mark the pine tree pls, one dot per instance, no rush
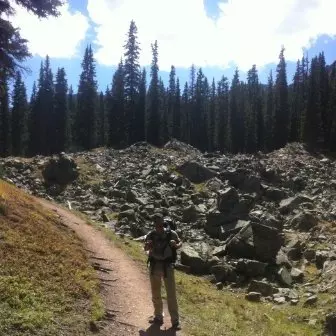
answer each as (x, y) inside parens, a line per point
(101, 123)
(253, 111)
(30, 124)
(141, 113)
(199, 120)
(72, 111)
(212, 117)
(185, 114)
(164, 135)
(132, 83)
(4, 117)
(171, 101)
(323, 101)
(222, 115)
(305, 92)
(236, 116)
(269, 113)
(281, 120)
(42, 112)
(86, 127)
(177, 112)
(297, 103)
(116, 116)
(61, 120)
(332, 108)
(153, 135)
(19, 117)
(312, 122)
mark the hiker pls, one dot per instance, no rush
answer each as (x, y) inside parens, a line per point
(161, 245)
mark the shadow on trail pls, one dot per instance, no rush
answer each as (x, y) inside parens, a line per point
(154, 330)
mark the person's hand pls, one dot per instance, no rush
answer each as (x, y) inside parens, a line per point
(173, 243)
(148, 245)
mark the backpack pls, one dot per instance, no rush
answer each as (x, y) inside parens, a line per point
(169, 260)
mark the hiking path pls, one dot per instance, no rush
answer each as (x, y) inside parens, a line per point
(125, 286)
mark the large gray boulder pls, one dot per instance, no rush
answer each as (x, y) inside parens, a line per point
(219, 225)
(304, 221)
(190, 257)
(251, 268)
(60, 170)
(256, 241)
(263, 287)
(289, 204)
(224, 273)
(195, 172)
(227, 199)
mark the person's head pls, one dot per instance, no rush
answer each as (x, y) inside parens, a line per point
(159, 223)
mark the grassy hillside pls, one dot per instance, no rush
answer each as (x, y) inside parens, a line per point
(47, 286)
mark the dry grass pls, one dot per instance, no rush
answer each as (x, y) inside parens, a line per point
(46, 284)
(88, 172)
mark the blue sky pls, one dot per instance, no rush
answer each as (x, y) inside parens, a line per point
(217, 35)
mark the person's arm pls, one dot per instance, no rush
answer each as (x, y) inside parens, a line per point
(176, 241)
(148, 243)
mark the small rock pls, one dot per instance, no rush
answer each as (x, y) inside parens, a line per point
(131, 196)
(219, 251)
(311, 300)
(297, 275)
(253, 296)
(320, 258)
(285, 277)
(309, 254)
(130, 214)
(279, 300)
(282, 259)
(189, 214)
(219, 285)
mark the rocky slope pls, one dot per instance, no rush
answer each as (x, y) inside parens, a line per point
(263, 222)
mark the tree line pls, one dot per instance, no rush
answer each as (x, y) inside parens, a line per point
(228, 116)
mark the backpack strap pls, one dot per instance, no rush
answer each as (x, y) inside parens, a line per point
(151, 261)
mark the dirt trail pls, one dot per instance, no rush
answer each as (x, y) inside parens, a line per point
(125, 286)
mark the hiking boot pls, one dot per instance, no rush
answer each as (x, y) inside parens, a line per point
(156, 320)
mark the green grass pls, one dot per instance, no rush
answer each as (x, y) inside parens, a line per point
(88, 173)
(200, 187)
(206, 311)
(47, 286)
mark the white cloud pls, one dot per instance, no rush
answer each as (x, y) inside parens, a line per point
(57, 37)
(246, 32)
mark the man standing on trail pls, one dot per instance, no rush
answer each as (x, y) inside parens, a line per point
(161, 244)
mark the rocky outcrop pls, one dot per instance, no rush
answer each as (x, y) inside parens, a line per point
(60, 170)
